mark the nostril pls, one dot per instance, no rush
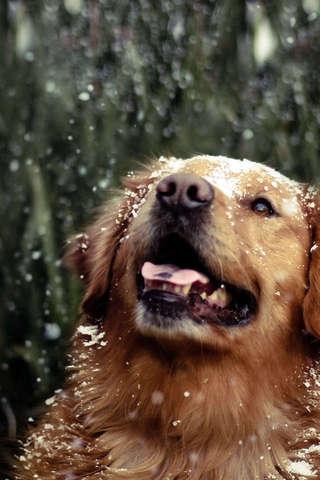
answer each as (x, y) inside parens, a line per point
(166, 189)
(193, 193)
(171, 189)
(200, 192)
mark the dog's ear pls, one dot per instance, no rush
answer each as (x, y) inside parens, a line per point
(91, 254)
(311, 305)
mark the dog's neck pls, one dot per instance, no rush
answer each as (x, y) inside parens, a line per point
(150, 404)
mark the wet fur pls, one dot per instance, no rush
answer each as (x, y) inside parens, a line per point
(253, 395)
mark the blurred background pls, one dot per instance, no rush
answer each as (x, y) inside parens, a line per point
(91, 88)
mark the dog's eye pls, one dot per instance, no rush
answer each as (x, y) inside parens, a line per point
(262, 206)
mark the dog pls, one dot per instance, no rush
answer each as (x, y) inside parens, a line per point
(196, 354)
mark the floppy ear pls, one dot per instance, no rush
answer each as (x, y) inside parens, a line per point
(311, 305)
(91, 254)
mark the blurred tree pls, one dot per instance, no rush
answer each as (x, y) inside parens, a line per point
(87, 87)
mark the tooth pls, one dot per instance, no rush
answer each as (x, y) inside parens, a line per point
(220, 297)
(203, 295)
(186, 289)
(214, 296)
(177, 289)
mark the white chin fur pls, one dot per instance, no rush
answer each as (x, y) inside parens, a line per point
(150, 324)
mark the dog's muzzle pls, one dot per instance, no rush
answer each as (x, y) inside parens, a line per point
(174, 279)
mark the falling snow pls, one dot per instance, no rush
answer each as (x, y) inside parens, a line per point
(107, 85)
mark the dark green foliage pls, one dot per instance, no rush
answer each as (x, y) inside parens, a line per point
(89, 87)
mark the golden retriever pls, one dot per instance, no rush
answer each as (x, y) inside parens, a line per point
(196, 354)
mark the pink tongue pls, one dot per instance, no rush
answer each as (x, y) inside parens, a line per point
(172, 274)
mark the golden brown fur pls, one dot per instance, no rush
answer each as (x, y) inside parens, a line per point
(214, 404)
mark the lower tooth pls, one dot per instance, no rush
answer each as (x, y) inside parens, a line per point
(203, 295)
(220, 297)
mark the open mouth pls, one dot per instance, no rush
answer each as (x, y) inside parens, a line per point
(175, 283)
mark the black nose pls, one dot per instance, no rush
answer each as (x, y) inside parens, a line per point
(184, 191)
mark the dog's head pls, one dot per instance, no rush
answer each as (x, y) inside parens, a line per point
(210, 251)
(201, 280)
